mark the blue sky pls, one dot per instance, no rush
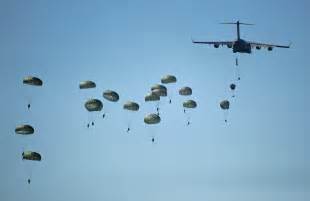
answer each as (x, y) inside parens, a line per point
(261, 154)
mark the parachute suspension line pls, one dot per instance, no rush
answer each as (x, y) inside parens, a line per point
(157, 108)
(188, 118)
(237, 71)
(226, 116)
(128, 123)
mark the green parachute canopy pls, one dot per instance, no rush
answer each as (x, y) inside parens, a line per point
(34, 81)
(151, 97)
(111, 95)
(132, 106)
(31, 155)
(93, 105)
(168, 79)
(88, 84)
(185, 91)
(159, 86)
(24, 130)
(151, 119)
(232, 86)
(160, 92)
(189, 104)
(224, 104)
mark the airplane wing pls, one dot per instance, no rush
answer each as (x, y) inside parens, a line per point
(264, 45)
(218, 43)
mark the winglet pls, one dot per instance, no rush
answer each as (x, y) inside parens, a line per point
(193, 41)
(289, 45)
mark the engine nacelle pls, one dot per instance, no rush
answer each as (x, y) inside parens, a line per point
(216, 45)
(229, 45)
(258, 47)
(270, 48)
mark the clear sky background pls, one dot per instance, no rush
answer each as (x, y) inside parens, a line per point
(261, 154)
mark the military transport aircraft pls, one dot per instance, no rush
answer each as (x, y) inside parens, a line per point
(240, 45)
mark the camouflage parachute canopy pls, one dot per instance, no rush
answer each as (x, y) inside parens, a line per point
(111, 95)
(93, 105)
(160, 92)
(185, 91)
(151, 119)
(88, 84)
(168, 79)
(189, 104)
(31, 155)
(159, 86)
(34, 81)
(224, 104)
(151, 97)
(232, 86)
(132, 106)
(24, 130)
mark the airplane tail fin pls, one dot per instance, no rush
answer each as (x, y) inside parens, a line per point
(238, 28)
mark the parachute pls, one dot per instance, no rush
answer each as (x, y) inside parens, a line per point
(153, 98)
(168, 79)
(87, 84)
(185, 91)
(232, 88)
(189, 104)
(24, 130)
(159, 86)
(111, 95)
(34, 81)
(130, 107)
(31, 155)
(225, 106)
(160, 92)
(31, 81)
(152, 120)
(93, 105)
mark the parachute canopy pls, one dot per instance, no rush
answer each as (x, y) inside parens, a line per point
(151, 97)
(159, 86)
(24, 130)
(224, 104)
(132, 106)
(87, 84)
(151, 119)
(185, 91)
(34, 81)
(31, 155)
(93, 105)
(168, 79)
(189, 104)
(111, 95)
(160, 92)
(232, 86)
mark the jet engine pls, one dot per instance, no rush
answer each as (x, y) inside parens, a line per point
(258, 47)
(216, 45)
(270, 48)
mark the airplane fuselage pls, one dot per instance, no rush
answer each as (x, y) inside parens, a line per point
(242, 46)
